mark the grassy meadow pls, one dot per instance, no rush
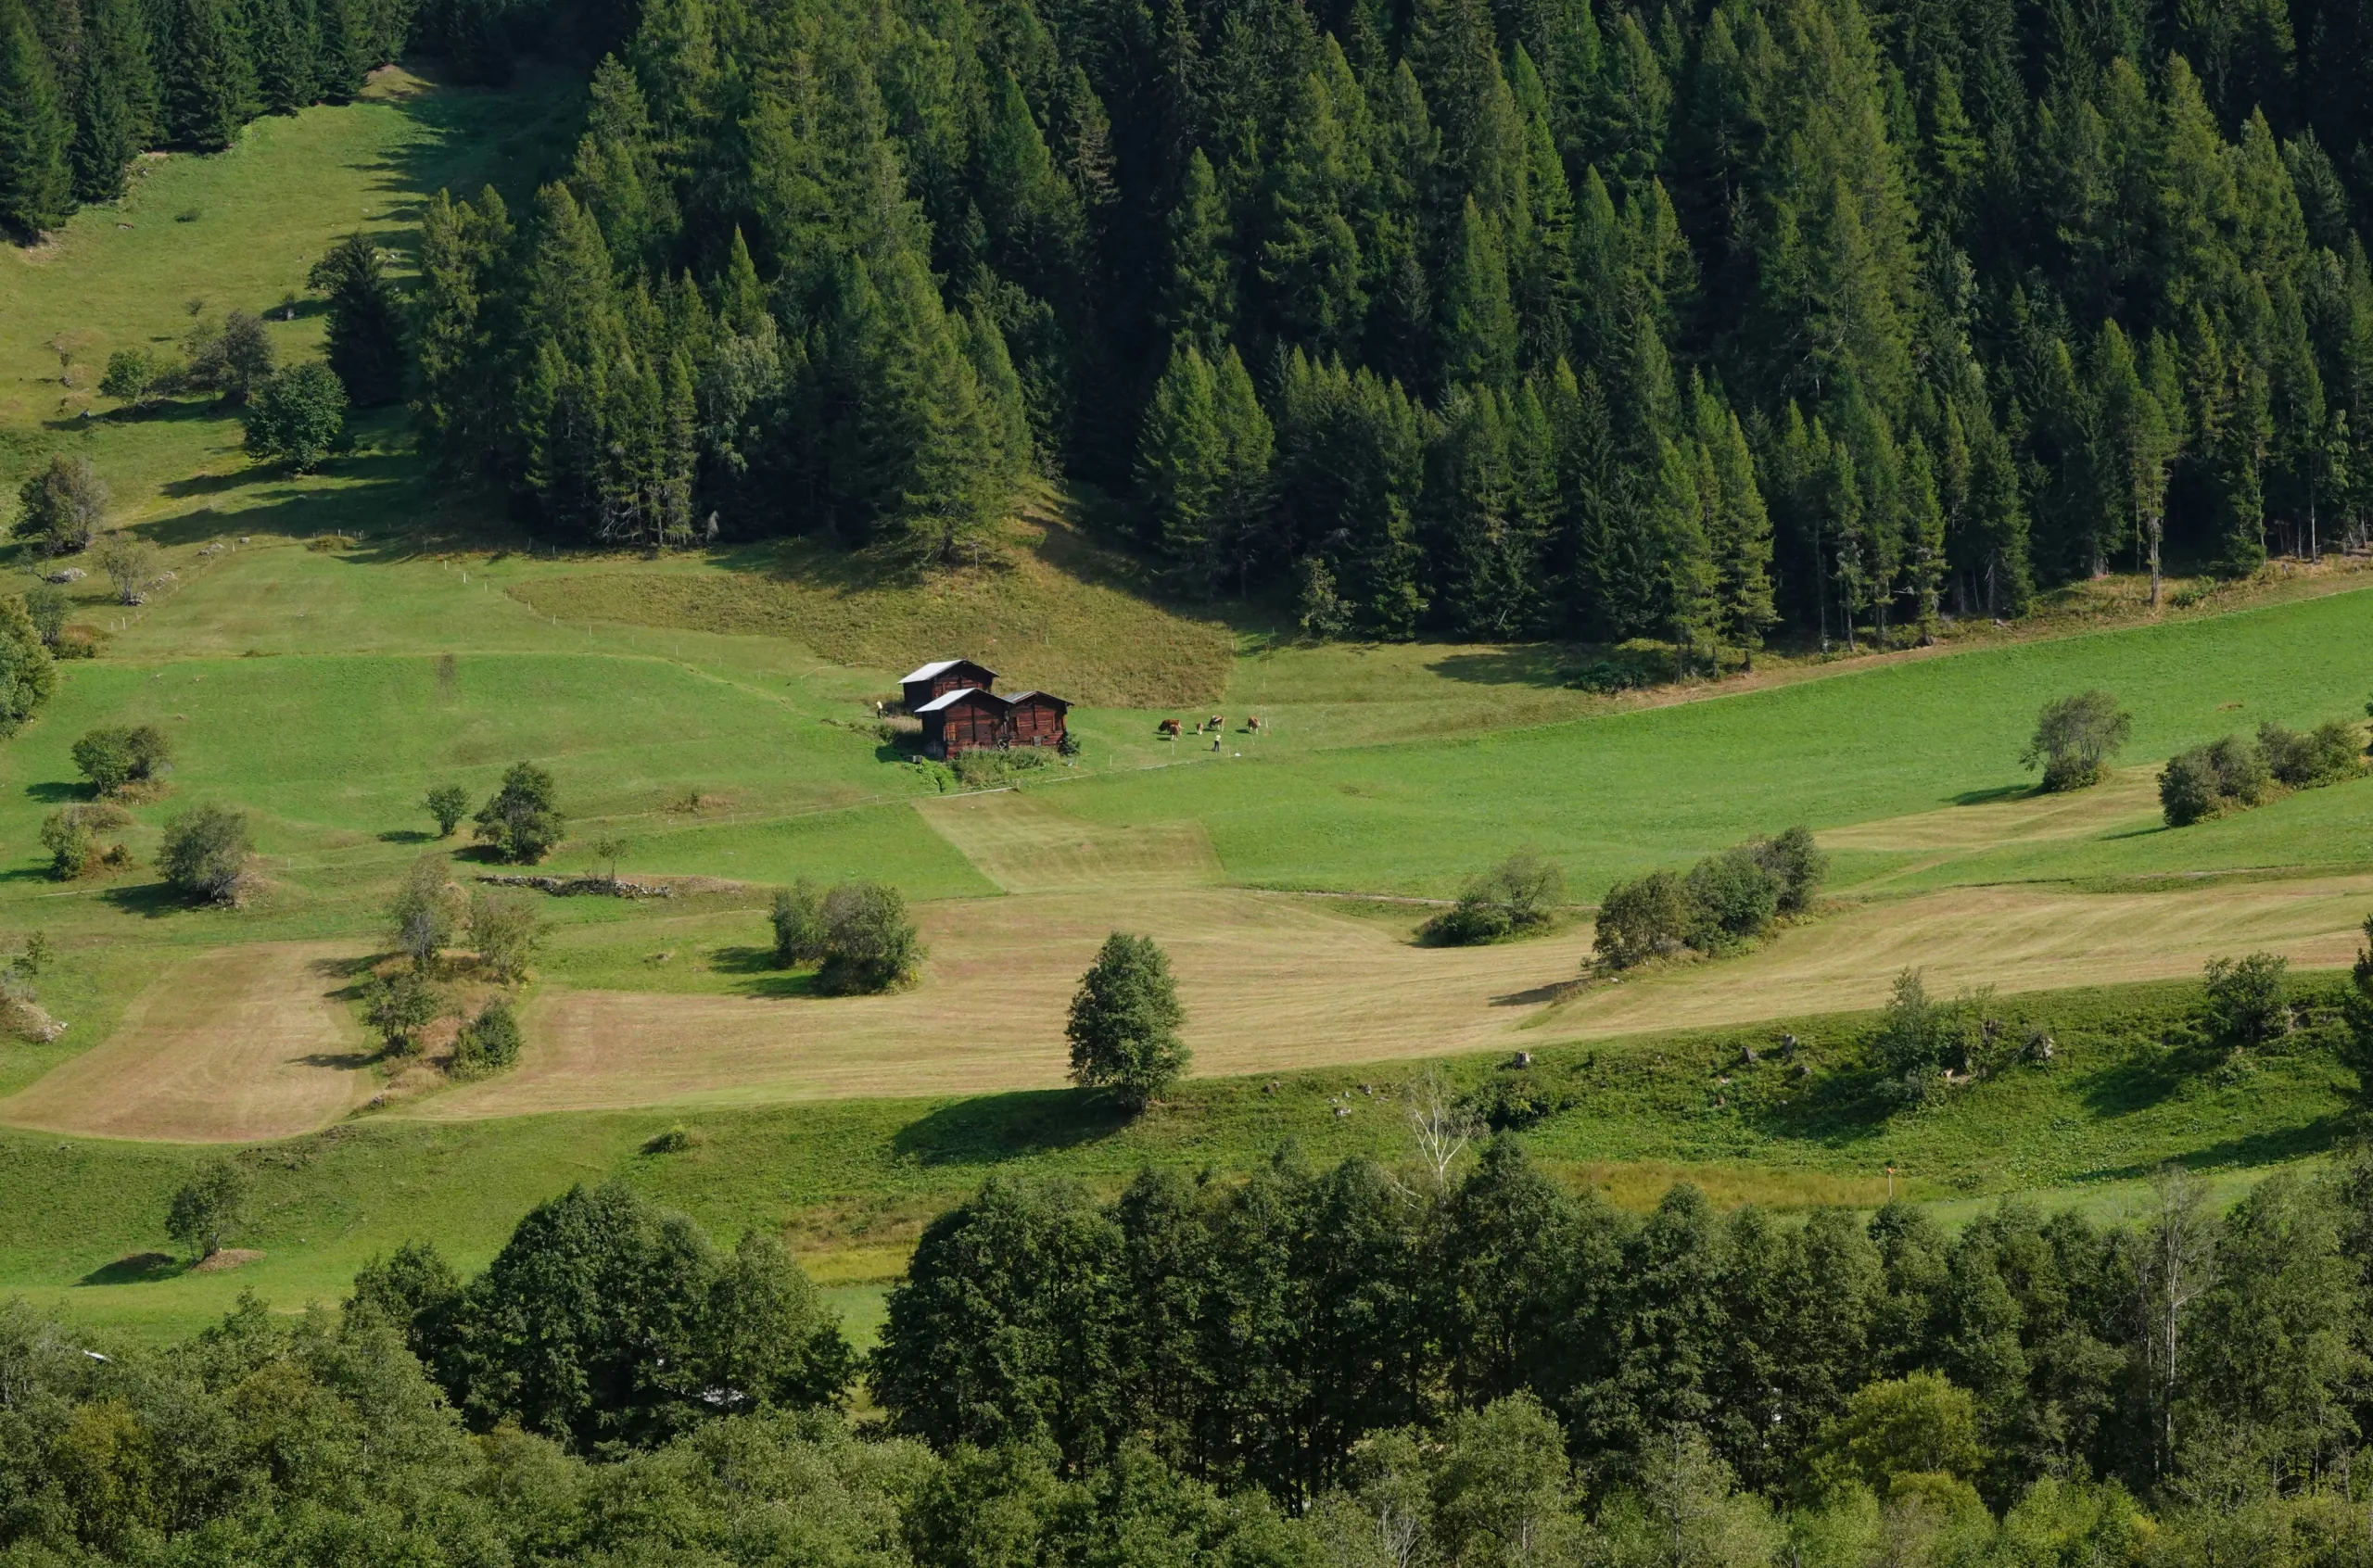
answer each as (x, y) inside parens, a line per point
(331, 646)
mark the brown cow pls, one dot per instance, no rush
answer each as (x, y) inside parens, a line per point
(1168, 727)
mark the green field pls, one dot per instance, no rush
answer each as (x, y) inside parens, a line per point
(333, 646)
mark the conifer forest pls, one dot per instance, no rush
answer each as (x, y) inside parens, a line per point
(1491, 321)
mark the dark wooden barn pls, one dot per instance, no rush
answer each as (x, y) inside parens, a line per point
(962, 721)
(1035, 718)
(939, 678)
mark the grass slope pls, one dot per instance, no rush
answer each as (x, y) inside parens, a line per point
(853, 1179)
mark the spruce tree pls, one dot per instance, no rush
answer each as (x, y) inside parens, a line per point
(116, 102)
(1199, 301)
(36, 181)
(1738, 527)
(284, 45)
(1248, 445)
(1309, 259)
(1479, 328)
(365, 326)
(1181, 459)
(208, 74)
(342, 48)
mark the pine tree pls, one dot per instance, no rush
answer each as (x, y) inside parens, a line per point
(342, 47)
(209, 75)
(1678, 510)
(1478, 329)
(115, 102)
(365, 326)
(37, 182)
(1309, 260)
(285, 46)
(460, 392)
(1182, 460)
(1924, 564)
(1199, 302)
(1738, 527)
(1248, 446)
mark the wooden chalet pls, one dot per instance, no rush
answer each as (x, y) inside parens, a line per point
(961, 713)
(944, 675)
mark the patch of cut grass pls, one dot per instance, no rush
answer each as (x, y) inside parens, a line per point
(851, 1181)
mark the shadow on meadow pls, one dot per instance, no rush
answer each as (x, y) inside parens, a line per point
(1537, 663)
(140, 1268)
(992, 1128)
(759, 974)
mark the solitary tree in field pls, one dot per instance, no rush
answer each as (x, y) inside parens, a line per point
(297, 416)
(205, 852)
(128, 561)
(2075, 739)
(61, 506)
(448, 803)
(2244, 1000)
(504, 933)
(1124, 1027)
(207, 1207)
(522, 820)
(870, 943)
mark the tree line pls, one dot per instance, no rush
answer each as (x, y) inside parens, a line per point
(86, 85)
(1345, 1368)
(1490, 318)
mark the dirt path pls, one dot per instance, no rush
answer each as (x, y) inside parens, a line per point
(232, 1046)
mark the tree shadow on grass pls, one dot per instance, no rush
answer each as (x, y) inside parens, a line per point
(2270, 1146)
(2138, 1083)
(1537, 663)
(406, 836)
(154, 901)
(56, 791)
(996, 1127)
(759, 974)
(1989, 796)
(140, 1268)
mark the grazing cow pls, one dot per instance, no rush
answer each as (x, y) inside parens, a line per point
(1169, 727)
(1219, 721)
(1251, 726)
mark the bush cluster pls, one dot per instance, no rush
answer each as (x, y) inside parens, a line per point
(1721, 903)
(116, 755)
(1517, 897)
(72, 836)
(857, 934)
(2241, 771)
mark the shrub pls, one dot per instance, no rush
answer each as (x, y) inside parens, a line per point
(1733, 898)
(522, 819)
(71, 834)
(1518, 896)
(425, 910)
(234, 360)
(870, 943)
(490, 1042)
(1647, 917)
(27, 674)
(2325, 754)
(448, 803)
(2242, 1004)
(2187, 788)
(801, 935)
(46, 606)
(1919, 1039)
(205, 853)
(133, 376)
(504, 932)
(207, 1207)
(61, 506)
(116, 755)
(2075, 739)
(1800, 866)
(130, 563)
(297, 416)
(2231, 773)
(399, 1007)
(1123, 1026)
